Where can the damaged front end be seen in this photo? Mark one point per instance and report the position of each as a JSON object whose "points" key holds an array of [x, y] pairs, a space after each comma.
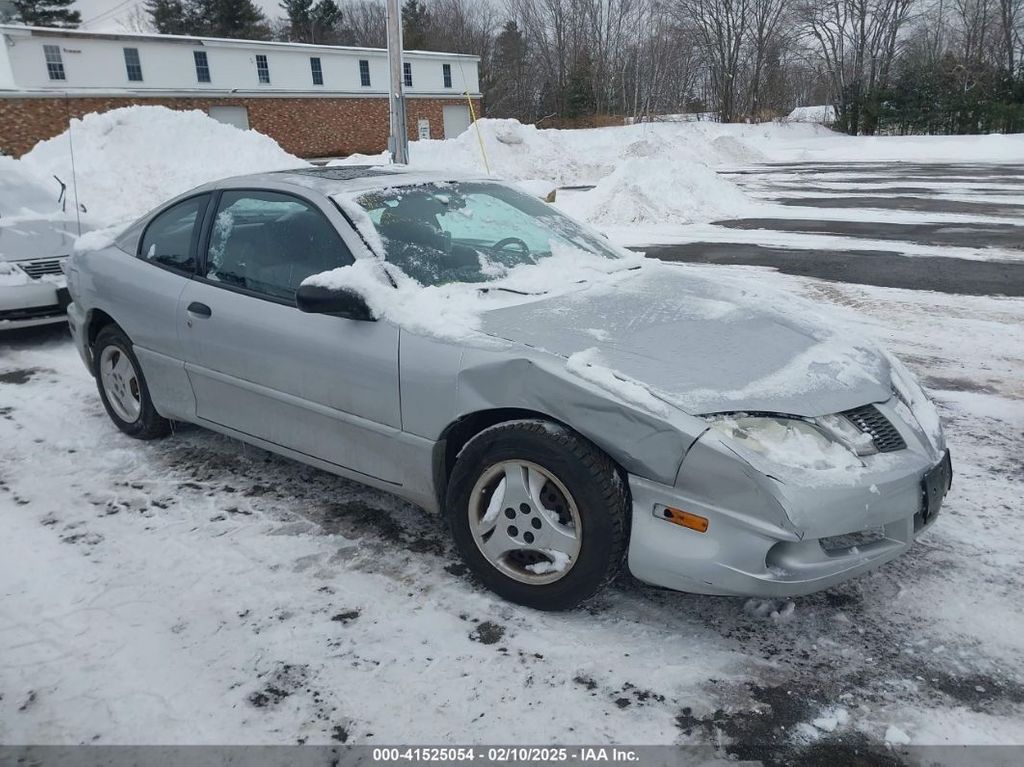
{"points": [[793, 505]]}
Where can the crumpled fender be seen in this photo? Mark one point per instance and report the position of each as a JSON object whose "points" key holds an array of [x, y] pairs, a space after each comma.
{"points": [[643, 443]]}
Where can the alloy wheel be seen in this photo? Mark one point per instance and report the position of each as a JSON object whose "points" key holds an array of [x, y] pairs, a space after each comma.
{"points": [[525, 522]]}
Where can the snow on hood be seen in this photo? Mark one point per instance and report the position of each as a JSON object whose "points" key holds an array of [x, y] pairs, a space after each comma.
{"points": [[704, 342], [28, 239], [652, 333]]}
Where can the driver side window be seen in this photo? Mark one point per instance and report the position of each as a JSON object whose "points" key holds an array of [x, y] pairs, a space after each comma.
{"points": [[268, 243]]}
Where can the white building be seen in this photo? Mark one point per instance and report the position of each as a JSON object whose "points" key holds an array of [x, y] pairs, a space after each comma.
{"points": [[242, 81]]}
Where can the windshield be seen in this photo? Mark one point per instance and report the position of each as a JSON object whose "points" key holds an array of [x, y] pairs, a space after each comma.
{"points": [[471, 232]]}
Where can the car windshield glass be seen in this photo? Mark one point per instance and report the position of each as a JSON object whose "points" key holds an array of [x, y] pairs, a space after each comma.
{"points": [[471, 232]]}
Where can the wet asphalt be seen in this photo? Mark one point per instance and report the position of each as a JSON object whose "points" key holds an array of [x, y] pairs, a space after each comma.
{"points": [[881, 267]]}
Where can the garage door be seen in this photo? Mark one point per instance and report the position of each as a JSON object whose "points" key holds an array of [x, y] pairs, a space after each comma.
{"points": [[456, 120], [237, 116]]}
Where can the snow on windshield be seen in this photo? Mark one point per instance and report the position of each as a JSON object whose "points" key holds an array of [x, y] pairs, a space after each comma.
{"points": [[453, 310], [465, 232]]}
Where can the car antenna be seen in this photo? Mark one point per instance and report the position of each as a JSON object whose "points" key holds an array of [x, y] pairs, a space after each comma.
{"points": [[74, 176], [472, 114]]}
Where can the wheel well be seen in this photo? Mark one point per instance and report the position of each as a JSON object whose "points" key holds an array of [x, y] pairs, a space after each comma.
{"points": [[98, 319], [458, 434]]}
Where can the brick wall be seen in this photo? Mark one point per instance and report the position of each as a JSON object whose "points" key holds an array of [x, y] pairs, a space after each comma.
{"points": [[307, 127]]}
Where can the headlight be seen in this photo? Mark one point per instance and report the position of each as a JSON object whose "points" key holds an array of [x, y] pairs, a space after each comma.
{"points": [[916, 406], [12, 275], [840, 428], [790, 442]]}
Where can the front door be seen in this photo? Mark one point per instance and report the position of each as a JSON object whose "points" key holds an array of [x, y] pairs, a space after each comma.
{"points": [[319, 385]]}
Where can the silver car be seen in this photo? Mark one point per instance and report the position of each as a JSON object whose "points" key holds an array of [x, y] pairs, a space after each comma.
{"points": [[32, 289], [660, 416]]}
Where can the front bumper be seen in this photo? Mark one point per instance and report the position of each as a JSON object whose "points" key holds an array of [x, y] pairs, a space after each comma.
{"points": [[761, 555], [35, 302]]}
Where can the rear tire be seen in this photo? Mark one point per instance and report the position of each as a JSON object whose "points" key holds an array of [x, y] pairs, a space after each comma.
{"points": [[123, 388], [538, 513]]}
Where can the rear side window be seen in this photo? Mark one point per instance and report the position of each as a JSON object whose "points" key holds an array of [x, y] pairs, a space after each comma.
{"points": [[168, 238], [268, 243]]}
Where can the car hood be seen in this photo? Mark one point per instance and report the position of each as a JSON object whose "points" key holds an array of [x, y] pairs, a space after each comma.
{"points": [[32, 239], [703, 342]]}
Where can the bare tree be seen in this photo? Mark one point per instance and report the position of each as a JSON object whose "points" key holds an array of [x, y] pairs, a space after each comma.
{"points": [[721, 28], [366, 22], [768, 19], [1011, 32], [858, 41]]}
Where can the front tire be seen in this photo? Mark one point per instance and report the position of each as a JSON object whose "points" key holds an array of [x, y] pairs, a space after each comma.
{"points": [[122, 386], [538, 513]]}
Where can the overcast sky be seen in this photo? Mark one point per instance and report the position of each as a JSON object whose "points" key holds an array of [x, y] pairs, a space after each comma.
{"points": [[109, 15]]}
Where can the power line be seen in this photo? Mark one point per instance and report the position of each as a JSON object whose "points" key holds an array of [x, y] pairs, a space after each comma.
{"points": [[107, 13]]}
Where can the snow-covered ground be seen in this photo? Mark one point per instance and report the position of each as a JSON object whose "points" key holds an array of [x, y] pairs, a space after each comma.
{"points": [[194, 590]]}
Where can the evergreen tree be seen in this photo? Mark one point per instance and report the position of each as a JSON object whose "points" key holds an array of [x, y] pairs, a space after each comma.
{"points": [[415, 26], [239, 19], [579, 96], [509, 93], [46, 13], [313, 22], [171, 17]]}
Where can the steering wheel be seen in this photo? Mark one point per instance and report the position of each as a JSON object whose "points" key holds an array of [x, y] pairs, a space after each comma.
{"points": [[505, 243]]}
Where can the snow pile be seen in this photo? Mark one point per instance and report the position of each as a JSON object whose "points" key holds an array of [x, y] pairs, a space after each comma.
{"points": [[26, 193], [647, 190], [573, 157], [646, 173], [513, 150], [822, 114], [132, 159]]}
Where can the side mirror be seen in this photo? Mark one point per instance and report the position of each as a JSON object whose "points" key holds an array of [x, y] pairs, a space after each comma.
{"points": [[338, 302]]}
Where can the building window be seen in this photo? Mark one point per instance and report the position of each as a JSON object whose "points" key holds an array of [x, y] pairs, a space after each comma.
{"points": [[317, 70], [133, 65], [364, 73], [54, 63], [263, 69], [407, 71], [202, 66], [446, 72]]}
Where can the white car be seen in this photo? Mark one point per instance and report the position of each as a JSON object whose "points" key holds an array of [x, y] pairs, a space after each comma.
{"points": [[32, 285]]}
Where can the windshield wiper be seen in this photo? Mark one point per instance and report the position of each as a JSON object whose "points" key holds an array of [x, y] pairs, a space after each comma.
{"points": [[512, 290]]}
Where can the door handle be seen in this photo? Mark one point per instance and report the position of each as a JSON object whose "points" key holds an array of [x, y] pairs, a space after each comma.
{"points": [[200, 310]]}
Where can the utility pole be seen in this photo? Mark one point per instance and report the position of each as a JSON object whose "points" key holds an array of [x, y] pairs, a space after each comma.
{"points": [[398, 142]]}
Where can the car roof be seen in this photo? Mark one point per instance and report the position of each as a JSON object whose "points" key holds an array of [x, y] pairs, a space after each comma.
{"points": [[343, 179]]}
